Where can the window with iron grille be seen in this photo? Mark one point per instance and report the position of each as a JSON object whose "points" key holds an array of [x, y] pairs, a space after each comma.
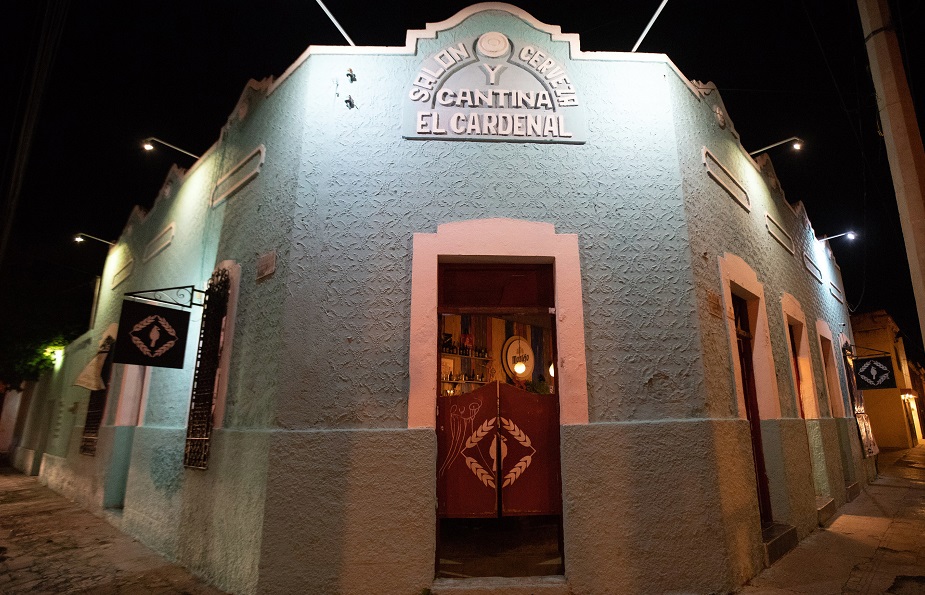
{"points": [[95, 409], [208, 357]]}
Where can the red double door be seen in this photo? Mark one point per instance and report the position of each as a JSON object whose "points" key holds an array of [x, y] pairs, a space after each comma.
{"points": [[498, 453]]}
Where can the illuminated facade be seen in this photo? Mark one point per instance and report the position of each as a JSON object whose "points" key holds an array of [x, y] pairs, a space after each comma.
{"points": [[486, 196], [894, 412]]}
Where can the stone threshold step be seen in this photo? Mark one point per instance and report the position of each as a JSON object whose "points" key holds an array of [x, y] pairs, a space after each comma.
{"points": [[778, 540], [527, 585]]}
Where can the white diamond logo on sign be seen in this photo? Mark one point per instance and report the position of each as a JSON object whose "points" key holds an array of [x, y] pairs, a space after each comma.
{"points": [[491, 88]]}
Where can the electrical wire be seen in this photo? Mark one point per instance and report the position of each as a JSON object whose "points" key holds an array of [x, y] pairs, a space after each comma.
{"points": [[867, 168]]}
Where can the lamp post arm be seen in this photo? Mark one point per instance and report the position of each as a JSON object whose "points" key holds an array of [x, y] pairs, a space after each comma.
{"points": [[174, 147], [777, 144], [838, 235], [86, 235]]}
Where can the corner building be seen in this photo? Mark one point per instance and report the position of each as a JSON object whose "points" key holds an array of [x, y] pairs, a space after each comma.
{"points": [[496, 295]]}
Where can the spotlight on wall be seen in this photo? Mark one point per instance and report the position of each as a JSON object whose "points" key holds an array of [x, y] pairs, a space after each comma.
{"points": [[796, 142], [82, 237], [848, 234], [148, 145]]}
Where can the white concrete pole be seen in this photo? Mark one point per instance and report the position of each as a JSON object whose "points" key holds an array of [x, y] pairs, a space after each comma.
{"points": [[901, 135]]}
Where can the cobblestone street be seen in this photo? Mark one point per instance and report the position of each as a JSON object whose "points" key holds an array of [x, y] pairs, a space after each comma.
{"points": [[51, 545]]}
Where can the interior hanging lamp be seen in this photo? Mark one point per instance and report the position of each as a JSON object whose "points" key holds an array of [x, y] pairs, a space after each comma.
{"points": [[520, 367]]}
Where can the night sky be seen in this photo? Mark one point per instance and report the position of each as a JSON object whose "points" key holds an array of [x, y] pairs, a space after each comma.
{"points": [[124, 71]]}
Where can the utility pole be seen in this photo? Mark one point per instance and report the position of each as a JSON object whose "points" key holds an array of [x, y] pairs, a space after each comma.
{"points": [[901, 135]]}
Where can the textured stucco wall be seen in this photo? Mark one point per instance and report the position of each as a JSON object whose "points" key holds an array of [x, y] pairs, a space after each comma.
{"points": [[222, 512], [719, 225], [367, 191], [209, 521], [825, 450], [642, 515], [350, 511], [790, 473], [89, 479]]}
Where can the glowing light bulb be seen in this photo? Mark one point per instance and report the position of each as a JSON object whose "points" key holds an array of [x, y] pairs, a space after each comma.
{"points": [[851, 235], [552, 370], [797, 145], [147, 146], [520, 368], [78, 239]]}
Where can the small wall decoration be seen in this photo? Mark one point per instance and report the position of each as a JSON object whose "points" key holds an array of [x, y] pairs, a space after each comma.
{"points": [[266, 265]]}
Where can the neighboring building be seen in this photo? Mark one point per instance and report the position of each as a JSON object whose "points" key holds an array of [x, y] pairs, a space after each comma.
{"points": [[894, 411], [600, 346]]}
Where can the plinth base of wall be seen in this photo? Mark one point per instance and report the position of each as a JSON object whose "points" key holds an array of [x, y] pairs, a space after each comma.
{"points": [[825, 508], [852, 490]]}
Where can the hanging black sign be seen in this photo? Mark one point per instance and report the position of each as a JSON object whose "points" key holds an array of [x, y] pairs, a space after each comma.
{"points": [[874, 372], [151, 335]]}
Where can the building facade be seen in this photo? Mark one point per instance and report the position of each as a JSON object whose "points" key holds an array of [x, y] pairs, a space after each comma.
{"points": [[895, 409], [395, 232]]}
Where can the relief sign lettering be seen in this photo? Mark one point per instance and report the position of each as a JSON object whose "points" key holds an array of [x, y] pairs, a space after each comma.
{"points": [[490, 88]]}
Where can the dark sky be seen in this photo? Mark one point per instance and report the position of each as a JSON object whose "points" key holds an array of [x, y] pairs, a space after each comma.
{"points": [[127, 70]]}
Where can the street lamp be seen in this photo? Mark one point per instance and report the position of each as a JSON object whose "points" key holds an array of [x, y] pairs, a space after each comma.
{"points": [[848, 234], [148, 145], [797, 145], [82, 237]]}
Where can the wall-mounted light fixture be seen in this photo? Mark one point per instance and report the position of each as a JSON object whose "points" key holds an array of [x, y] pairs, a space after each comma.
{"points": [[351, 75], [848, 234], [82, 237], [148, 145], [349, 102], [797, 144]]}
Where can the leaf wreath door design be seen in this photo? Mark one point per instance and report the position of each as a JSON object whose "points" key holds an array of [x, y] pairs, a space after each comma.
{"points": [[497, 453]]}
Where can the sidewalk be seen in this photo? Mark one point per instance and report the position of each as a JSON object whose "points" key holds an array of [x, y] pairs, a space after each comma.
{"points": [[875, 544], [51, 545]]}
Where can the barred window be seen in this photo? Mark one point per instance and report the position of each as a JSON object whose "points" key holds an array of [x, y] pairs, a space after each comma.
{"points": [[208, 357], [96, 407]]}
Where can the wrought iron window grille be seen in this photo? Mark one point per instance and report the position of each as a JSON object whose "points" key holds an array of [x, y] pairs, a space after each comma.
{"points": [[208, 357]]}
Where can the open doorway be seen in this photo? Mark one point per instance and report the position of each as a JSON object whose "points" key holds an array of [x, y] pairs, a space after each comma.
{"points": [[498, 476]]}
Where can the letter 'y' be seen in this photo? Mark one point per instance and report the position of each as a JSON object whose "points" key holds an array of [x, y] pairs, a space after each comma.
{"points": [[493, 72]]}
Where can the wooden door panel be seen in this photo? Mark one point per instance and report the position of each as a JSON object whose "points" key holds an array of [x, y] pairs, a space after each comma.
{"points": [[467, 433], [529, 430]]}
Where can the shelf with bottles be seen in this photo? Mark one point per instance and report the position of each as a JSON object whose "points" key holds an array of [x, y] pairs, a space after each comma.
{"points": [[477, 353], [471, 357]]}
